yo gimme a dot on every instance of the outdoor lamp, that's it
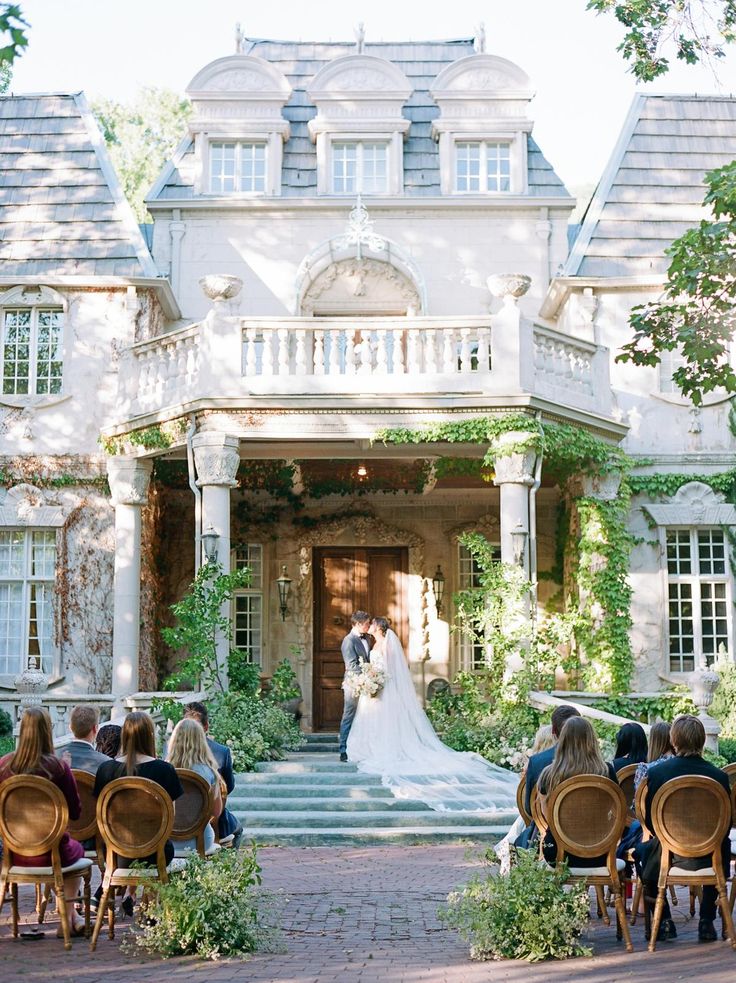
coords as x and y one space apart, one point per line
209 543
438 585
519 537
284 585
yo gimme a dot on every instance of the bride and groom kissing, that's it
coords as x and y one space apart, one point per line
356 651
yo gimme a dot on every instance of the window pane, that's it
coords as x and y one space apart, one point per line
222 167
473 651
678 552
711 551
375 168
11 628
251 556
498 166
669 363
16 351
49 352
681 628
467 167
43 554
344 168
248 625
12 551
714 619
252 167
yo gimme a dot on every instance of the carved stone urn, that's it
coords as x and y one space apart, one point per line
703 684
32 683
508 286
219 287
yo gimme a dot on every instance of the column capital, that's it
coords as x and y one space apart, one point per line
604 487
217 458
128 478
514 457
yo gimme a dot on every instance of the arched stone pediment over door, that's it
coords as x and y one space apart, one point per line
360 287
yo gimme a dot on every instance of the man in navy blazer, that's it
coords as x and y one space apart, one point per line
227 824
356 650
81 752
537 764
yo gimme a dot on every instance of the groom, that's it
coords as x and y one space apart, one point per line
356 649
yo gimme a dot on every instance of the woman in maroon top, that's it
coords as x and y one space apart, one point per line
34 755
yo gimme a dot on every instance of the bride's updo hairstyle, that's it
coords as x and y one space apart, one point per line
382 624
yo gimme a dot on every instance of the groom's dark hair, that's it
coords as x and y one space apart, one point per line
358 617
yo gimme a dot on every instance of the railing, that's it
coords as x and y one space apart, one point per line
235 358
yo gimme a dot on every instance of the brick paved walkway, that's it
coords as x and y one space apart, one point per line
368 915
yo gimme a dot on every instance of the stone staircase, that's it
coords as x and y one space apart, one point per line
314 799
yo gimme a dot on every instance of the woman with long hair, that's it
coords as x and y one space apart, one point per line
631 746
578 753
138 758
188 748
660 749
34 755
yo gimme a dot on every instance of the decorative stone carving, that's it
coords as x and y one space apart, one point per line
129 478
26 505
363 285
488 525
239 80
703 684
359 75
512 462
217 458
603 487
508 286
242 74
694 504
359 231
32 683
219 287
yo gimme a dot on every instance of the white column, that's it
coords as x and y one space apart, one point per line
128 478
216 457
514 459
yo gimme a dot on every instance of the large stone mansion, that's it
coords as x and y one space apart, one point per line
348 238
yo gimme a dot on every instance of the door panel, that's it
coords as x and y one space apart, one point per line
349 579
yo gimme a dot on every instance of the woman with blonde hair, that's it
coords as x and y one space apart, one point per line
34 755
578 753
188 748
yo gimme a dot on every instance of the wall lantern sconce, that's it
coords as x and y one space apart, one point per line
519 536
438 585
362 472
284 585
210 539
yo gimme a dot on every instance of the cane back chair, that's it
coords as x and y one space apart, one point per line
192 813
520 796
85 828
33 818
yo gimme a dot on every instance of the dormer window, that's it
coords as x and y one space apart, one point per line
482 166
359 167
32 344
237 167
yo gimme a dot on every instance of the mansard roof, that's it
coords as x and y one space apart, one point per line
62 210
652 189
421 63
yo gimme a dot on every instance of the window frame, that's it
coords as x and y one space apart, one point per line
465 646
257 590
36 309
238 143
695 580
483 145
360 144
49 662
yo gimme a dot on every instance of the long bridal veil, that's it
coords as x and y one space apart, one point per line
392 737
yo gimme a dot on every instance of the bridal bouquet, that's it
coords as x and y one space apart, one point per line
369 682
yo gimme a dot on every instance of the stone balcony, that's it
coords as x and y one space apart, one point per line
329 362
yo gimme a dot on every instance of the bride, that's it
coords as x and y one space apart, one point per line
392 737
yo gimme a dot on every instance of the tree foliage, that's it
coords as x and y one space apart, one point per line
696 30
696 314
13 36
141 136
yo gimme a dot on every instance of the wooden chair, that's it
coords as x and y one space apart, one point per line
586 816
85 828
625 777
226 842
192 813
733 844
33 818
690 816
538 817
135 817
730 771
520 795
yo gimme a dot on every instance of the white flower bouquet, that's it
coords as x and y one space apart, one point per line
368 682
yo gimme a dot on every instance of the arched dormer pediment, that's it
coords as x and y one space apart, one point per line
238 100
360 77
481 76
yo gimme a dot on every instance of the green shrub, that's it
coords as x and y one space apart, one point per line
212 908
727 748
7 744
723 707
254 729
527 914
6 724
283 685
243 675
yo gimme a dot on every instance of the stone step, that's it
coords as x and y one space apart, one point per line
374 836
299 777
325 748
321 737
300 763
295 790
322 804
384 819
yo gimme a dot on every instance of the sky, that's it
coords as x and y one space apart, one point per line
583 89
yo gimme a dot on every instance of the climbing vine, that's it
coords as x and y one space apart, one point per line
159 436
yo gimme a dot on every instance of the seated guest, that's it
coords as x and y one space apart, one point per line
188 748
578 753
660 749
108 740
80 753
227 823
537 764
688 740
138 757
631 746
34 755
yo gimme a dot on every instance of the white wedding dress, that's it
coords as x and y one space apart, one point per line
392 737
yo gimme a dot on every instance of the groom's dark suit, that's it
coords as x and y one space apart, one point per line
355 651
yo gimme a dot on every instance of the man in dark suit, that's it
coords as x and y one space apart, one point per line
81 752
356 650
688 739
537 764
227 824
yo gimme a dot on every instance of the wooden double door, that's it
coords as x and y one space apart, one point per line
348 579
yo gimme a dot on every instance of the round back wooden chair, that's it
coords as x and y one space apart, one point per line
690 816
520 796
192 812
625 778
538 817
730 771
135 817
33 818
587 816
85 828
